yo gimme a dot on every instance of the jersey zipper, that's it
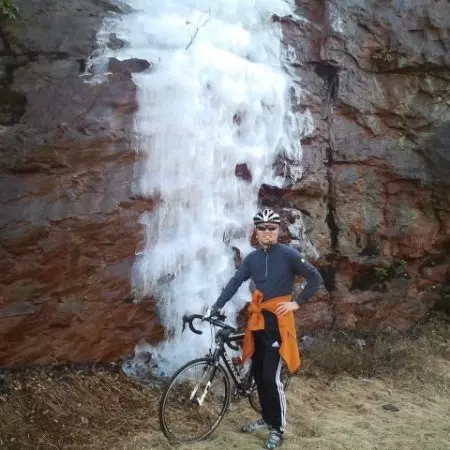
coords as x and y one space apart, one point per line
267 259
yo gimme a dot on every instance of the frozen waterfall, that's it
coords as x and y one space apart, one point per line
216 96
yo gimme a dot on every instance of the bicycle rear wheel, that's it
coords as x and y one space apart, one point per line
253 398
195 401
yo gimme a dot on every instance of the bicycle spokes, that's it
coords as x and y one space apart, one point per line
195 401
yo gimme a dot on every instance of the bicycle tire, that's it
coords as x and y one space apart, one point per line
253 398
187 402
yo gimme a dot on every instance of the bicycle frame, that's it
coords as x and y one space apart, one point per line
240 380
220 354
225 336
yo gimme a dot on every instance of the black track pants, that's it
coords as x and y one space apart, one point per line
266 367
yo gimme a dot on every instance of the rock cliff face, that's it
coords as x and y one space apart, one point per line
375 190
373 199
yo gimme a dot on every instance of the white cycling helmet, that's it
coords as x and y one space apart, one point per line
266 215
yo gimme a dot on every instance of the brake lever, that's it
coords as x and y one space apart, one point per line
220 316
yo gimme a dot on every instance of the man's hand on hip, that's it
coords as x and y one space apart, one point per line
285 307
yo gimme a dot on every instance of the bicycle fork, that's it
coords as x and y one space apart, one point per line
209 373
205 391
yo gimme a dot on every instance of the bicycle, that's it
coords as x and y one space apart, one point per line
199 394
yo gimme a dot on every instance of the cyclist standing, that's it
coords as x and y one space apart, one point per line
270 336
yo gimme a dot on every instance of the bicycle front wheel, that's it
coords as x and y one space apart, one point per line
195 401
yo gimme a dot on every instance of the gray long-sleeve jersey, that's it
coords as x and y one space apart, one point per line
273 272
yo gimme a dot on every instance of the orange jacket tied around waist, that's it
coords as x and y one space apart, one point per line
289 348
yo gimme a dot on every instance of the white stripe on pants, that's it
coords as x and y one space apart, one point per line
281 394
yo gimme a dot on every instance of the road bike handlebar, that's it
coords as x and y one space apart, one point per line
189 319
216 320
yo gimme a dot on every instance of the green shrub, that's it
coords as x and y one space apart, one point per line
8 9
383 54
443 304
381 273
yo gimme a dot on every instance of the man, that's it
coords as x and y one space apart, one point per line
270 336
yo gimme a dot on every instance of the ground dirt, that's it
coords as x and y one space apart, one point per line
340 405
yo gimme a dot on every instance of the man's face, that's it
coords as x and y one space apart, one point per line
267 233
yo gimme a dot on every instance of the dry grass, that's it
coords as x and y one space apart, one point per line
336 403
73 411
394 355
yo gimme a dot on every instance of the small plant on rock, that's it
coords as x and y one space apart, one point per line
8 9
399 268
383 54
381 273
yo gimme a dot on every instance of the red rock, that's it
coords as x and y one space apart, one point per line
70 227
128 66
243 172
314 316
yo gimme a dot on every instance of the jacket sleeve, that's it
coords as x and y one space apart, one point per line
242 274
313 278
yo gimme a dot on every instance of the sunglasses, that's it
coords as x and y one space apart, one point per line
267 227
